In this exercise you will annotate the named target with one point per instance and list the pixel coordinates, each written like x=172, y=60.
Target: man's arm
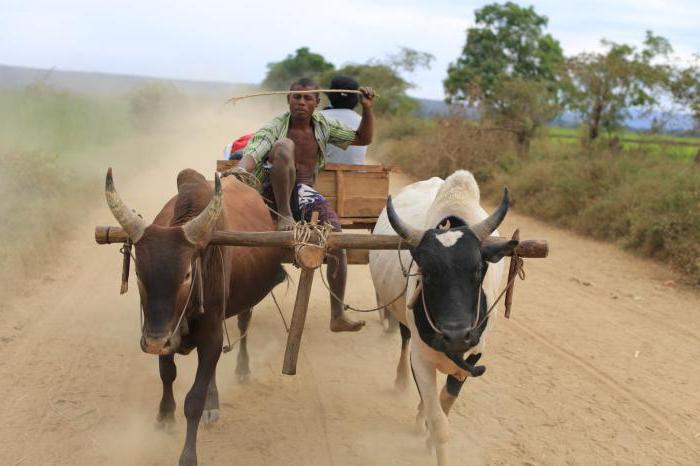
x=247, y=163
x=365, y=131
x=259, y=146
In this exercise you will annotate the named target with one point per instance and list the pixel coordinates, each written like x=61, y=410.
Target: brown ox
x=179, y=315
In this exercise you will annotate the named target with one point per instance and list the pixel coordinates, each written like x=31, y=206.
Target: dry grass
x=644, y=202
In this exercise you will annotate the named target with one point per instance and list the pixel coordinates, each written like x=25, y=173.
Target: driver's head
x=303, y=105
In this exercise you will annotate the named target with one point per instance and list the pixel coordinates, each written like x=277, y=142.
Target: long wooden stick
x=296, y=327
x=527, y=248
x=512, y=270
x=235, y=99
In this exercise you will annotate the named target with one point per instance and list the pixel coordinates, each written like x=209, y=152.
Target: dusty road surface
x=600, y=363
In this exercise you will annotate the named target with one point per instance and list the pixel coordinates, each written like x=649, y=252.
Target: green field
x=680, y=147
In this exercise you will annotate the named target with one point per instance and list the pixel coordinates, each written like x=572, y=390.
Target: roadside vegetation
x=644, y=201
x=511, y=80
x=52, y=161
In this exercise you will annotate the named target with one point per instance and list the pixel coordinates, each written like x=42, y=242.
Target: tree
x=303, y=64
x=507, y=58
x=685, y=88
x=605, y=86
x=521, y=106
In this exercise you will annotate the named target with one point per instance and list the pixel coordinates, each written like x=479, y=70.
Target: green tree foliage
x=303, y=64
x=685, y=87
x=521, y=106
x=604, y=86
x=509, y=66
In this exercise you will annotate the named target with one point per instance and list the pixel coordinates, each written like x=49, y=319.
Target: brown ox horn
x=412, y=235
x=130, y=221
x=198, y=229
x=483, y=229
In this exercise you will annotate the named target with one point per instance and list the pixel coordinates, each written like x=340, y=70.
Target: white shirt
x=353, y=154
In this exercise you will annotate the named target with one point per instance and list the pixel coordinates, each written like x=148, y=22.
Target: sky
x=233, y=40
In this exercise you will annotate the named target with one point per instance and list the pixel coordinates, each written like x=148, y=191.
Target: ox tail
x=459, y=188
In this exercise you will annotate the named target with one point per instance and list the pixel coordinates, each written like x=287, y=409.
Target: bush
x=644, y=202
x=48, y=143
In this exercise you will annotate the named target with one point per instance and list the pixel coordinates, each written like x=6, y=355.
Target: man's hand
x=367, y=96
x=242, y=175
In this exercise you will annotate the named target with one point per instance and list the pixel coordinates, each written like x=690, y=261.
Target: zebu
x=187, y=287
x=444, y=225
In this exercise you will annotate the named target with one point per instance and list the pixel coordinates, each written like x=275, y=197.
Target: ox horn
x=130, y=221
x=483, y=229
x=198, y=229
x=412, y=235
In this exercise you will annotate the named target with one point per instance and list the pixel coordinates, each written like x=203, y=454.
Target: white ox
x=445, y=226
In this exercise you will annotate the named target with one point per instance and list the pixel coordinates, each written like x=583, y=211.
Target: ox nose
x=459, y=340
x=155, y=345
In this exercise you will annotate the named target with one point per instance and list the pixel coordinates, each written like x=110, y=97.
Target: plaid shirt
x=327, y=130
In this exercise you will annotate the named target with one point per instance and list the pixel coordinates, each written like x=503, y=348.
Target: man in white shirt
x=341, y=109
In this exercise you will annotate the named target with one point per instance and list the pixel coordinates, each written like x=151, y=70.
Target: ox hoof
x=188, y=459
x=209, y=416
x=166, y=422
x=243, y=379
x=421, y=424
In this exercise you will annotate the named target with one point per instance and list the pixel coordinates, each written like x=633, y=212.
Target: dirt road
x=598, y=365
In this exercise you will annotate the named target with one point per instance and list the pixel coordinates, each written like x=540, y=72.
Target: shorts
x=305, y=200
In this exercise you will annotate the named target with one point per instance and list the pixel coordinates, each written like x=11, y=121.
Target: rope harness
x=479, y=320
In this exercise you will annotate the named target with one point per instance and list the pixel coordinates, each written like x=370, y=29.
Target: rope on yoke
x=244, y=177
x=304, y=232
x=406, y=274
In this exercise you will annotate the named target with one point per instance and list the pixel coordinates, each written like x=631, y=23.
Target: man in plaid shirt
x=286, y=154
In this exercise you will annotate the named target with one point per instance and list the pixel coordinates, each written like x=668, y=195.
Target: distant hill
x=638, y=121
x=13, y=77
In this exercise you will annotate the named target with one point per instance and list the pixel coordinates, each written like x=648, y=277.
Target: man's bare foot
x=343, y=324
x=285, y=224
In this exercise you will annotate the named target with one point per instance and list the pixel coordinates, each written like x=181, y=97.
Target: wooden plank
x=340, y=193
x=366, y=184
x=223, y=165
x=325, y=183
x=296, y=327
x=362, y=207
x=355, y=168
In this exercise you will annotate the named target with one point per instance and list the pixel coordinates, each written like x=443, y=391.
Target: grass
x=664, y=145
x=644, y=202
x=48, y=141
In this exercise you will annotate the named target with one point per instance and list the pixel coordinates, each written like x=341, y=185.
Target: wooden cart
x=358, y=193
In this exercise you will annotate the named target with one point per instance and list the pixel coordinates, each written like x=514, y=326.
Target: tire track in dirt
x=610, y=382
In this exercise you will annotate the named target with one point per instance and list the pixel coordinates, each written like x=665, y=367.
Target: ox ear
x=495, y=252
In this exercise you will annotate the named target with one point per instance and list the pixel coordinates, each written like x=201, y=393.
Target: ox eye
x=188, y=275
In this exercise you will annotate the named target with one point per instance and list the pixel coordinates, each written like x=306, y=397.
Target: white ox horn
x=413, y=236
x=483, y=229
x=129, y=220
x=199, y=228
